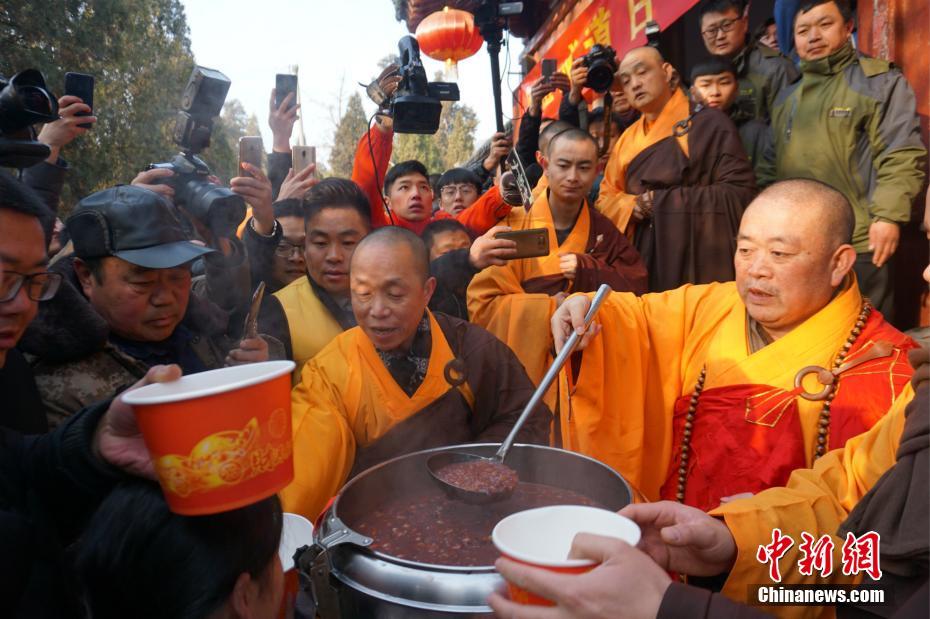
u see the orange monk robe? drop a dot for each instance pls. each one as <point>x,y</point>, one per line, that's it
<point>814,501</point>
<point>628,403</point>
<point>613,201</point>
<point>515,302</point>
<point>370,165</point>
<point>349,413</point>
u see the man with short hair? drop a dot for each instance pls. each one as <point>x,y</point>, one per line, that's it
<point>679,175</point>
<point>444,236</point>
<point>721,384</point>
<point>404,380</point>
<point>316,307</point>
<point>277,258</point>
<point>458,189</point>
<point>410,202</point>
<point>585,251</point>
<point>762,71</point>
<point>24,282</point>
<point>851,121</point>
<point>127,305</point>
<point>714,84</point>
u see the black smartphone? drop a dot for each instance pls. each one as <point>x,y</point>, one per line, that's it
<point>81,85</point>
<point>548,67</point>
<point>285,84</point>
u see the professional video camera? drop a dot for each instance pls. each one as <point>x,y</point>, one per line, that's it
<point>417,103</point>
<point>24,102</point>
<point>215,206</point>
<point>602,65</point>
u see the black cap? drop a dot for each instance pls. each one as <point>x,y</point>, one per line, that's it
<point>131,223</point>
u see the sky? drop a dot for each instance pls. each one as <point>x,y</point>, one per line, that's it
<point>336,44</point>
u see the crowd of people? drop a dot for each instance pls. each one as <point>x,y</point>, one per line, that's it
<point>746,217</point>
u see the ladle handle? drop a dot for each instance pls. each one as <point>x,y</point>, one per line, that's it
<point>552,372</point>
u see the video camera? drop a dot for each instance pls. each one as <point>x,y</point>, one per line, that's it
<point>417,104</point>
<point>602,65</point>
<point>214,205</point>
<point>24,102</point>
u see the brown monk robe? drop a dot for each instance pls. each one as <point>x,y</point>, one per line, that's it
<point>514,301</point>
<point>678,177</point>
<point>404,380</point>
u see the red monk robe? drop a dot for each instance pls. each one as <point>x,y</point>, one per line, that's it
<point>369,174</point>
<point>628,404</point>
<point>514,302</point>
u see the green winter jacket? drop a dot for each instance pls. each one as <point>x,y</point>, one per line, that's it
<point>851,122</point>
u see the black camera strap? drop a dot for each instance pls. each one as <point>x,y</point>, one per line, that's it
<point>374,165</point>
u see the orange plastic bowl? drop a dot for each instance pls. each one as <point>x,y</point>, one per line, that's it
<point>219,439</point>
<point>542,538</point>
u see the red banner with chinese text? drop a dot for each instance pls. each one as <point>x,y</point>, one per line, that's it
<point>618,23</point>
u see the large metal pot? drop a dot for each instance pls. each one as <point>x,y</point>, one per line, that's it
<point>342,578</point>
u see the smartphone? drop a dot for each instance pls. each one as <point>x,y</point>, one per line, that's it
<point>302,156</point>
<point>81,85</point>
<point>284,84</point>
<point>532,243</point>
<point>548,67</point>
<point>250,151</point>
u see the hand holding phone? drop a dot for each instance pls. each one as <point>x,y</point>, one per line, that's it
<point>548,67</point>
<point>250,151</point>
<point>531,243</point>
<point>284,84</point>
<point>301,157</point>
<point>81,85</point>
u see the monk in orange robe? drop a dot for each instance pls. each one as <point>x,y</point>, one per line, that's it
<point>677,180</point>
<point>706,392</point>
<point>404,380</point>
<point>585,251</point>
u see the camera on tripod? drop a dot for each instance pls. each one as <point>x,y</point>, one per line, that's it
<point>214,205</point>
<point>417,104</point>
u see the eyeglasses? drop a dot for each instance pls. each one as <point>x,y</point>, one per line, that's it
<point>286,249</point>
<point>449,191</point>
<point>39,286</point>
<point>725,26</point>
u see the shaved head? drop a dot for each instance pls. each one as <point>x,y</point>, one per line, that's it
<point>646,80</point>
<point>397,239</point>
<point>552,129</point>
<point>793,253</point>
<point>835,219</point>
<point>644,53</point>
<point>572,135</point>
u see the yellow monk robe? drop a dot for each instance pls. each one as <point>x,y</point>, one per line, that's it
<point>628,403</point>
<point>816,501</point>
<point>349,413</point>
<point>310,325</point>
<point>511,300</point>
<point>613,201</point>
<point>541,186</point>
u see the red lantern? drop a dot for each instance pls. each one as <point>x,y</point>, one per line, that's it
<point>449,35</point>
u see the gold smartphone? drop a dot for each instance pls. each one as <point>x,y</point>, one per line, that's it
<point>250,151</point>
<point>301,157</point>
<point>531,243</point>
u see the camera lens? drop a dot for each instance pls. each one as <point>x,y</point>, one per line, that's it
<point>35,99</point>
<point>600,77</point>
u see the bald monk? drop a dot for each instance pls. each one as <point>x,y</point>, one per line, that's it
<point>405,379</point>
<point>691,393</point>
<point>545,137</point>
<point>585,251</point>
<point>678,179</point>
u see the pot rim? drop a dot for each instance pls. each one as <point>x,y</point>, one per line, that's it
<point>334,508</point>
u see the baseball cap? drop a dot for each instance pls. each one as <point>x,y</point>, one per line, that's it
<point>131,223</point>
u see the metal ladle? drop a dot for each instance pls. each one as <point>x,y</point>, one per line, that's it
<point>437,462</point>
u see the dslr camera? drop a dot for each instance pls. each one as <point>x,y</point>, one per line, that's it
<point>216,206</point>
<point>417,104</point>
<point>602,64</point>
<point>24,102</point>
